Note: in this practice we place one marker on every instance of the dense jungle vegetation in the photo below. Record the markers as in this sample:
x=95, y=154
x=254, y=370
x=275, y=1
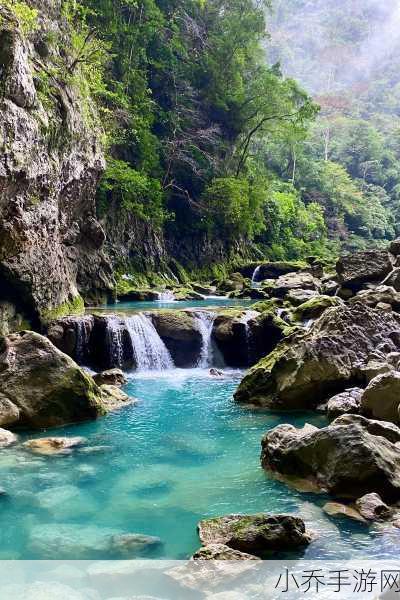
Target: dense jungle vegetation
x=208, y=132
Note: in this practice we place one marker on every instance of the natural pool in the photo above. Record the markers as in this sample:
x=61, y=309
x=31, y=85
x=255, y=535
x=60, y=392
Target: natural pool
x=184, y=453
x=133, y=307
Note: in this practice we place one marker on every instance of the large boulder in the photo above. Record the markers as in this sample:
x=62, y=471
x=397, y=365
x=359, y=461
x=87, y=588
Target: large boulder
x=257, y=534
x=244, y=336
x=381, y=399
x=358, y=268
x=383, y=294
x=348, y=402
x=231, y=335
x=314, y=307
x=46, y=387
x=181, y=333
x=295, y=281
x=350, y=457
x=309, y=367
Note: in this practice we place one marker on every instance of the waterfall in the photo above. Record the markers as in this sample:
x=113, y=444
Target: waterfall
x=254, y=279
x=205, y=322
x=115, y=341
x=149, y=350
x=83, y=329
x=166, y=296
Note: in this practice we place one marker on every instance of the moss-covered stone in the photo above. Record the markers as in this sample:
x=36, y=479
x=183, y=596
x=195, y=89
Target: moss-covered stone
x=258, y=534
x=313, y=308
x=309, y=367
x=47, y=387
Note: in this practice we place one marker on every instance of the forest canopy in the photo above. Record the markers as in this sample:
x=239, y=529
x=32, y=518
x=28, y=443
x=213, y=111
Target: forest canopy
x=209, y=134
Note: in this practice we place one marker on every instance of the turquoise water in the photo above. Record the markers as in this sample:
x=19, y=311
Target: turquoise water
x=185, y=452
x=132, y=307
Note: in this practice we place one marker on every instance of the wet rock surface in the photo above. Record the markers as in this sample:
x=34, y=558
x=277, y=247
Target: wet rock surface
x=54, y=445
x=351, y=457
x=255, y=534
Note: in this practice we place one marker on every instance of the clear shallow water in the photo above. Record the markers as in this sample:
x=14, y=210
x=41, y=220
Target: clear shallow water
x=132, y=307
x=184, y=453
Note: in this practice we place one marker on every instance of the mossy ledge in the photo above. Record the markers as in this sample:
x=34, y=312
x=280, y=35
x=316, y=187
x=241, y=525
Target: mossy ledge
x=76, y=306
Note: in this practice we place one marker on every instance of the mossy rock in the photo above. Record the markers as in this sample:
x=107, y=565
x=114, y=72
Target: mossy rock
x=76, y=306
x=307, y=368
x=47, y=387
x=313, y=308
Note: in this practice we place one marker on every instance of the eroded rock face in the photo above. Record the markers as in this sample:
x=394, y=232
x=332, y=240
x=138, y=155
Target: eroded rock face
x=307, y=368
x=257, y=534
x=45, y=386
x=50, y=241
x=350, y=457
x=363, y=267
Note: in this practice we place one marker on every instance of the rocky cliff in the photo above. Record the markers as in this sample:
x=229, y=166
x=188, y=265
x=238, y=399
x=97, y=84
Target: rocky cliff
x=51, y=245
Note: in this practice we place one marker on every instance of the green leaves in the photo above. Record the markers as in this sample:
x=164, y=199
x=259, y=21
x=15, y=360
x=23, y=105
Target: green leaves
x=135, y=192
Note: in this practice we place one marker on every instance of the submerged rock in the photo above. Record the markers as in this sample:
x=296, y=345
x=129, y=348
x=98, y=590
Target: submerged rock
x=307, y=368
x=351, y=456
x=46, y=386
x=381, y=399
x=113, y=377
x=336, y=509
x=54, y=445
x=257, y=534
x=359, y=268
x=221, y=552
x=87, y=542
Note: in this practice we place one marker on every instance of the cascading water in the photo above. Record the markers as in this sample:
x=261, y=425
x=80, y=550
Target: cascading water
x=209, y=354
x=254, y=280
x=83, y=328
x=166, y=296
x=114, y=340
x=150, y=352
